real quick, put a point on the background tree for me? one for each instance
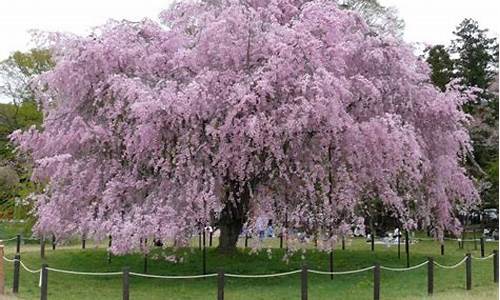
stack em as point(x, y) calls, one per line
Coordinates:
point(441, 65)
point(476, 65)
point(20, 112)
point(293, 110)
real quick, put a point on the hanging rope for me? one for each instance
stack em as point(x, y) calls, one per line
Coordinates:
point(84, 273)
point(483, 258)
point(451, 267)
point(263, 275)
point(341, 272)
point(173, 277)
point(404, 269)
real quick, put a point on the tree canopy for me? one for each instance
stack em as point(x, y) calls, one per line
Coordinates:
point(231, 110)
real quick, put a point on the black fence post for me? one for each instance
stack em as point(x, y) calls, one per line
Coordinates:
point(210, 235)
point(495, 265)
point(109, 249)
point(126, 283)
point(399, 245)
point(281, 240)
point(53, 242)
point(220, 285)
point(246, 240)
point(145, 262)
point(468, 272)
point(199, 240)
point(376, 282)
point(331, 264)
point(18, 244)
point(44, 283)
point(430, 275)
point(15, 284)
point(407, 249)
point(475, 240)
point(83, 242)
point(343, 242)
point(482, 246)
point(442, 248)
point(372, 241)
point(42, 247)
point(303, 280)
point(204, 253)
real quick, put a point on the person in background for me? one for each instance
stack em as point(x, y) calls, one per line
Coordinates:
point(261, 227)
point(270, 230)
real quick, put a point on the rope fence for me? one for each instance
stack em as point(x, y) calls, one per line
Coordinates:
point(304, 271)
point(43, 283)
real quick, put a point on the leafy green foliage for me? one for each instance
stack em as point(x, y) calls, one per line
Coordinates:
point(441, 64)
point(21, 112)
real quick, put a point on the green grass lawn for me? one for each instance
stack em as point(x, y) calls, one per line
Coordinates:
point(449, 284)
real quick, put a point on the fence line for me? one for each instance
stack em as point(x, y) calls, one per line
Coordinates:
point(244, 275)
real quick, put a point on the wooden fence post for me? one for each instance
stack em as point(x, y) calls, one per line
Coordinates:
point(42, 247)
point(210, 236)
point(343, 242)
point(430, 275)
point(126, 283)
point(376, 282)
point(2, 272)
point(281, 240)
point(482, 246)
point(246, 240)
point(220, 285)
point(303, 280)
point(468, 272)
point(83, 241)
point(495, 266)
point(442, 248)
point(15, 283)
point(18, 244)
point(44, 283)
point(331, 264)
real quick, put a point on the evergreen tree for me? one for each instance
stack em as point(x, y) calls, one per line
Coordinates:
point(441, 64)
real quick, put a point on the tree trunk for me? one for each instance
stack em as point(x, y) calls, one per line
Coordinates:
point(229, 233)
point(233, 216)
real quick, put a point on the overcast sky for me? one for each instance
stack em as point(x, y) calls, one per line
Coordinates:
point(426, 21)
